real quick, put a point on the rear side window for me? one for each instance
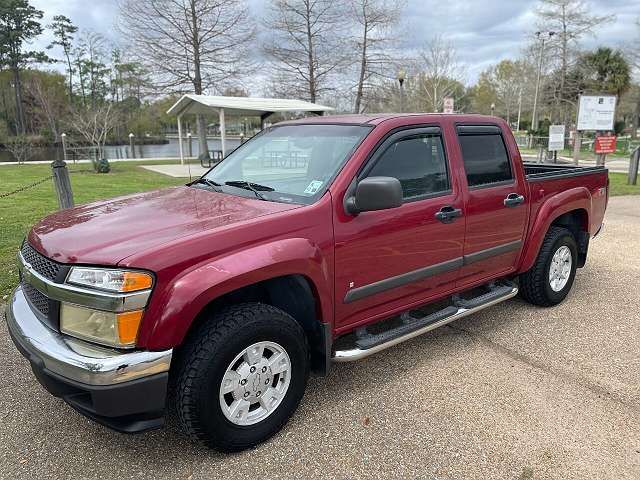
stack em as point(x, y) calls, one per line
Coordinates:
point(418, 162)
point(485, 159)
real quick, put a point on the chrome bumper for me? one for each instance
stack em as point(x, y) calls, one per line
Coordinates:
point(75, 359)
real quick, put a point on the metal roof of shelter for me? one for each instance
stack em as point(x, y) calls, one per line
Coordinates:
point(241, 106)
point(237, 107)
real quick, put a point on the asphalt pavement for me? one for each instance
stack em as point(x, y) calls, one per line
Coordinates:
point(513, 392)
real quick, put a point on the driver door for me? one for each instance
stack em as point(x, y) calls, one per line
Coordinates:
point(390, 259)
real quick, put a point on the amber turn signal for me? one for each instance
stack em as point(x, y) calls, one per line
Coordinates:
point(128, 325)
point(134, 281)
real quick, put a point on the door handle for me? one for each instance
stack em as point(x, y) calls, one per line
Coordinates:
point(448, 214)
point(513, 200)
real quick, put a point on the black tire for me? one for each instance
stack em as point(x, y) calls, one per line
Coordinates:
point(208, 353)
point(535, 287)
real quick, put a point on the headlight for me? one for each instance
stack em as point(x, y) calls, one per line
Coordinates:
point(107, 328)
point(111, 280)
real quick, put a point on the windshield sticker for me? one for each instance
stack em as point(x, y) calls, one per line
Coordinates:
point(313, 187)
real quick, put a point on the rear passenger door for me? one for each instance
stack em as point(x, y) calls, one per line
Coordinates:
point(495, 207)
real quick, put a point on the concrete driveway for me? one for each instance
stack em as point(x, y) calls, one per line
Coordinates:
point(513, 392)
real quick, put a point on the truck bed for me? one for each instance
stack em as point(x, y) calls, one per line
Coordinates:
point(547, 171)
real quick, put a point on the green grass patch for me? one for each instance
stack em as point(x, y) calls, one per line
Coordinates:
point(20, 211)
point(618, 185)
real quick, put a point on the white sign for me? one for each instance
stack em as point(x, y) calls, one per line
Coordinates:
point(596, 112)
point(556, 138)
point(448, 105)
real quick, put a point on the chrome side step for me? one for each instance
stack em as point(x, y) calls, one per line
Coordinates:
point(367, 344)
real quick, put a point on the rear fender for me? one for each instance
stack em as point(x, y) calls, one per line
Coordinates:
point(189, 293)
point(552, 208)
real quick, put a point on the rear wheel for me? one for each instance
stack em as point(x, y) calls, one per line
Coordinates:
point(549, 281)
point(243, 375)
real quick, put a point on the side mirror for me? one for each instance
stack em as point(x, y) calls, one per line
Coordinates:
point(375, 193)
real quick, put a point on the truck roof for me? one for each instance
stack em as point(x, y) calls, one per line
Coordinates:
point(377, 118)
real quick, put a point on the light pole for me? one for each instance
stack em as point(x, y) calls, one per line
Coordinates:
point(542, 36)
point(190, 147)
point(133, 152)
point(63, 136)
point(401, 77)
point(519, 108)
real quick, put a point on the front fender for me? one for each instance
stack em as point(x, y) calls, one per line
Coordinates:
point(551, 208)
point(187, 294)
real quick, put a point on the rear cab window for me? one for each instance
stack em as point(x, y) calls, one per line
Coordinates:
point(485, 157)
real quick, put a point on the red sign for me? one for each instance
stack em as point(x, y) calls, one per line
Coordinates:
point(605, 144)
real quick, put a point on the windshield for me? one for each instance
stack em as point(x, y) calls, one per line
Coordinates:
point(291, 163)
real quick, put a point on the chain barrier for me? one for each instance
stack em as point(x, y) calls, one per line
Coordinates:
point(38, 182)
point(26, 187)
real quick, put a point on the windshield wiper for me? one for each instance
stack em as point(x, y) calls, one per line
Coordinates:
point(254, 187)
point(205, 181)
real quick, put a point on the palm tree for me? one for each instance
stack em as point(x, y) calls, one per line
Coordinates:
point(606, 71)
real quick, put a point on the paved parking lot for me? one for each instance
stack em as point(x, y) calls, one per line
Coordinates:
point(513, 392)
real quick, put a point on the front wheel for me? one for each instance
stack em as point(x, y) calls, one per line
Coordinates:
point(549, 281)
point(243, 375)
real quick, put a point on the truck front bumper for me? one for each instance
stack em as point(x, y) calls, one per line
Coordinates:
point(124, 390)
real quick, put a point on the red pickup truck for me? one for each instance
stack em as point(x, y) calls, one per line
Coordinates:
point(318, 241)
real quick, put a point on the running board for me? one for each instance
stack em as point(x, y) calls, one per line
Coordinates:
point(367, 344)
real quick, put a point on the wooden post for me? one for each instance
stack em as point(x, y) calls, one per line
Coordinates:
point(577, 143)
point(633, 167)
point(62, 184)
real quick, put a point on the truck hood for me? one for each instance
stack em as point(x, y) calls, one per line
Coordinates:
point(106, 232)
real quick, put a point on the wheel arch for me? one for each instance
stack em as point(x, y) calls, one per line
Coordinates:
point(577, 222)
point(569, 209)
point(296, 295)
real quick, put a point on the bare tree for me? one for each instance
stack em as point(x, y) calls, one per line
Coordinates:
point(305, 44)
point(375, 21)
point(94, 125)
point(190, 45)
point(570, 20)
point(49, 103)
point(511, 79)
point(440, 74)
point(20, 147)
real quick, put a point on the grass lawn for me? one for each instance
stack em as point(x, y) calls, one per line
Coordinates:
point(618, 182)
point(18, 212)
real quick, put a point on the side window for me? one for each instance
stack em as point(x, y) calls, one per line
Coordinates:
point(418, 162)
point(485, 159)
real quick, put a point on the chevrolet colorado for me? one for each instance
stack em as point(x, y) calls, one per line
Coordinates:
point(320, 240)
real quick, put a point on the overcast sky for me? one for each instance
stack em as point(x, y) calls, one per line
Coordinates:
point(483, 31)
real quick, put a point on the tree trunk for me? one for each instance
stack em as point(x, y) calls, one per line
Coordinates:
point(197, 83)
point(312, 73)
point(363, 69)
point(66, 52)
point(634, 120)
point(19, 110)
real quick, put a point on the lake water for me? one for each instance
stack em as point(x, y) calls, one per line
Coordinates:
point(114, 152)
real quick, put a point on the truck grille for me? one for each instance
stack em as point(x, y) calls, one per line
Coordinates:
point(37, 299)
point(48, 310)
point(41, 264)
